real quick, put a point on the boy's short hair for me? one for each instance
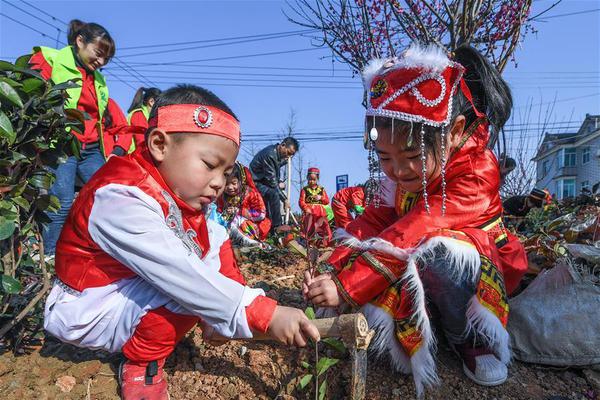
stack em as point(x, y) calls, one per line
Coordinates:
point(188, 94)
point(291, 142)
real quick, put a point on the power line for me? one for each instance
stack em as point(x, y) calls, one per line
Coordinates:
point(32, 15)
point(205, 46)
point(569, 14)
point(229, 57)
point(44, 12)
point(298, 32)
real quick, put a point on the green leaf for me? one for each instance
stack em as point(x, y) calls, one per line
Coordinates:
point(9, 94)
point(6, 66)
point(325, 363)
point(6, 128)
point(54, 204)
point(41, 180)
point(66, 85)
point(305, 365)
point(10, 285)
point(21, 202)
point(7, 227)
point(323, 389)
point(32, 84)
point(336, 344)
point(11, 82)
point(305, 380)
point(23, 61)
point(310, 313)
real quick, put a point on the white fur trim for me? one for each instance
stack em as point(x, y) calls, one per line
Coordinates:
point(384, 342)
point(482, 322)
point(375, 243)
point(372, 69)
point(429, 57)
point(462, 259)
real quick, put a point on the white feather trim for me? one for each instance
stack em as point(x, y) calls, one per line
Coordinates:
point(462, 259)
point(375, 243)
point(430, 58)
point(424, 370)
point(385, 343)
point(372, 70)
point(482, 322)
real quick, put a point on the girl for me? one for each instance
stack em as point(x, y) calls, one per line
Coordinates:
point(90, 48)
point(313, 200)
point(139, 110)
point(437, 233)
point(243, 209)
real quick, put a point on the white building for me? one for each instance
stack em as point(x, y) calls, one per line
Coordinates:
point(568, 163)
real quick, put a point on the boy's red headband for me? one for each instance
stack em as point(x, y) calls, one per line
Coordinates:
point(196, 118)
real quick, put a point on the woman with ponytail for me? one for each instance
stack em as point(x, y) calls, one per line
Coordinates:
point(432, 236)
point(90, 47)
point(139, 110)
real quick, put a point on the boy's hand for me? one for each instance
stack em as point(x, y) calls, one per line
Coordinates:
point(291, 326)
point(322, 291)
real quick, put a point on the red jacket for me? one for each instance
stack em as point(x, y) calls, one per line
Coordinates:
point(118, 133)
point(343, 201)
point(473, 200)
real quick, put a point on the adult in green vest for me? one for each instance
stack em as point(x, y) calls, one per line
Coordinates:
point(139, 110)
point(90, 48)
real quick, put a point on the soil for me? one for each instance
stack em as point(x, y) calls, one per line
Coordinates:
point(252, 370)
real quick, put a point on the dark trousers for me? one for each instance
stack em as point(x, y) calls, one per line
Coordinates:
point(272, 199)
point(449, 296)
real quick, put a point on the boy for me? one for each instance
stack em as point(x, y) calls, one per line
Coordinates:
point(137, 263)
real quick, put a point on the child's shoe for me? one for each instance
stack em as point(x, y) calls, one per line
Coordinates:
point(143, 381)
point(482, 366)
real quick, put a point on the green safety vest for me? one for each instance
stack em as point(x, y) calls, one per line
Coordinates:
point(146, 111)
point(65, 69)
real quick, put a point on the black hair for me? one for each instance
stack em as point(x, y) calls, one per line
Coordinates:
point(188, 94)
point(291, 142)
point(91, 32)
point(142, 96)
point(490, 93)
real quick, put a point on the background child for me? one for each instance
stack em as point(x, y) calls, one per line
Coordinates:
point(345, 201)
point(312, 202)
point(90, 48)
point(139, 111)
point(437, 233)
point(242, 206)
point(138, 265)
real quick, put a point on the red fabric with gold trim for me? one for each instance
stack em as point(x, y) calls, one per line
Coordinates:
point(196, 118)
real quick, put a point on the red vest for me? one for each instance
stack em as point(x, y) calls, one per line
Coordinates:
point(81, 263)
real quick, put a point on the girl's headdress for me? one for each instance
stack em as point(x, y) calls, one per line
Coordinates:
point(314, 170)
point(417, 88)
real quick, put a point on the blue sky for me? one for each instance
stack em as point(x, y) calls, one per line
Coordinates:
point(561, 61)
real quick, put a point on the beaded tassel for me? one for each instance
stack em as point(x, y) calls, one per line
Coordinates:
point(374, 189)
point(393, 134)
point(409, 141)
point(443, 148)
point(424, 168)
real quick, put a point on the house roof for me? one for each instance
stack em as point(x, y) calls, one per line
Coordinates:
point(555, 141)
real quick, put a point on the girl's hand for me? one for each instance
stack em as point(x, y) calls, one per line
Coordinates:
point(318, 197)
point(292, 327)
point(322, 291)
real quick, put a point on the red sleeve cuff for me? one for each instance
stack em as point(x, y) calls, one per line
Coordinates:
point(259, 313)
